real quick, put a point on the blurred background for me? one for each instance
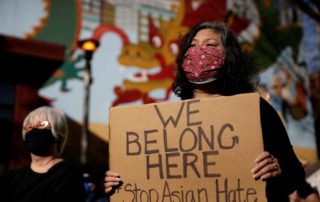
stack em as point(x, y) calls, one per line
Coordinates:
point(85, 56)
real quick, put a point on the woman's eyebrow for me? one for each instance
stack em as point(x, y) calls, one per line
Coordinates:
point(206, 40)
point(210, 39)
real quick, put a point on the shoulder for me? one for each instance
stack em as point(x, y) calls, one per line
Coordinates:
point(266, 106)
point(15, 173)
point(12, 178)
point(268, 112)
point(65, 169)
point(64, 166)
point(273, 129)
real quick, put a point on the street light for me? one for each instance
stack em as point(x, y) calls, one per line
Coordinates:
point(89, 46)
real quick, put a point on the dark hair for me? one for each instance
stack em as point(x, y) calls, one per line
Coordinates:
point(238, 73)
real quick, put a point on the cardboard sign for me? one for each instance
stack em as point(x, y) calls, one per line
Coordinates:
point(193, 150)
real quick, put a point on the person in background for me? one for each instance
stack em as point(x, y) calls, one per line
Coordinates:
point(210, 64)
point(48, 178)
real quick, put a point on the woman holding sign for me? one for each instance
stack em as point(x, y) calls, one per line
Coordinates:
point(227, 71)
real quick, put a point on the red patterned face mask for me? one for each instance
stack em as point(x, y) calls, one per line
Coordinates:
point(201, 64)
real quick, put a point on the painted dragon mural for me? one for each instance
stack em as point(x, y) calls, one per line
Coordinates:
point(264, 28)
point(154, 59)
point(259, 23)
point(49, 29)
point(259, 34)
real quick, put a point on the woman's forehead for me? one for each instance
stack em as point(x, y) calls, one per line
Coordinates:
point(38, 117)
point(207, 33)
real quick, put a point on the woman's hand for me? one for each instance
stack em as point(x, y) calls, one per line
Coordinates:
point(266, 166)
point(111, 180)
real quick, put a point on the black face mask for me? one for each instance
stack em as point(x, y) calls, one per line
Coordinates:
point(38, 141)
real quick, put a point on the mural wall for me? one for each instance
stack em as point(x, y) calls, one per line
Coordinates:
point(134, 63)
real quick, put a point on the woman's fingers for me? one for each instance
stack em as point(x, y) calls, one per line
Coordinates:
point(270, 170)
point(109, 186)
point(274, 170)
point(111, 180)
point(266, 166)
point(107, 190)
point(261, 161)
point(111, 173)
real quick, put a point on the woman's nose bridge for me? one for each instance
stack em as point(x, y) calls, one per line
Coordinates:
point(201, 43)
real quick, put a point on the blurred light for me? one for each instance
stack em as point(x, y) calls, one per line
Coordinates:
point(88, 44)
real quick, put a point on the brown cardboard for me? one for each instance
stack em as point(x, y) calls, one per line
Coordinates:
point(161, 160)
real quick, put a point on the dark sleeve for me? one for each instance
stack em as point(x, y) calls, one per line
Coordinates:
point(276, 141)
point(7, 180)
point(3, 187)
point(305, 189)
point(68, 185)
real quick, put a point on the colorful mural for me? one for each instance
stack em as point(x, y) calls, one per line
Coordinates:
point(288, 87)
point(134, 63)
